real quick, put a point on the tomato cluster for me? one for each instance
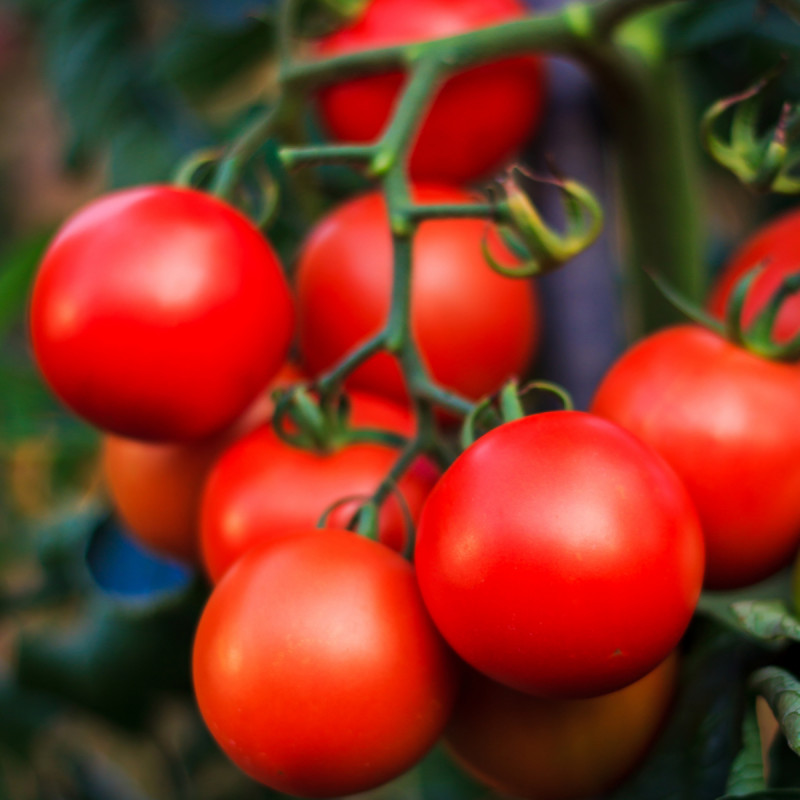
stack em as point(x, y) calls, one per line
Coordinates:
point(558, 559)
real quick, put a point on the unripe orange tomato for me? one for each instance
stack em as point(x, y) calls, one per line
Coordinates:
point(557, 749)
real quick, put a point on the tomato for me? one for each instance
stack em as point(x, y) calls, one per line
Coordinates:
point(726, 421)
point(777, 247)
point(561, 556)
point(455, 144)
point(557, 749)
point(159, 313)
point(316, 666)
point(262, 486)
point(156, 488)
point(474, 327)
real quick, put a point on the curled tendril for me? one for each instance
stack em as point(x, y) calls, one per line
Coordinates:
point(765, 162)
point(506, 406)
point(196, 170)
point(543, 247)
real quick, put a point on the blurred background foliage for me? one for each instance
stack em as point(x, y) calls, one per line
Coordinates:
point(95, 633)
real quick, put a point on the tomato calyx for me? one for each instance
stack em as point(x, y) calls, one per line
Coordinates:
point(764, 162)
point(302, 419)
point(506, 406)
point(542, 247)
point(758, 336)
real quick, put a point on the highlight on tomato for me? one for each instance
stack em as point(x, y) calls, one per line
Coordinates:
point(262, 486)
point(455, 144)
point(776, 249)
point(156, 487)
point(561, 556)
point(475, 328)
point(160, 313)
point(725, 420)
point(317, 668)
point(547, 749)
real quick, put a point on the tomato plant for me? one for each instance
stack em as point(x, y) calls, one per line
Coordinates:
point(341, 685)
point(156, 487)
point(776, 247)
point(560, 556)
point(160, 313)
point(262, 486)
point(527, 746)
point(454, 144)
point(723, 418)
point(344, 279)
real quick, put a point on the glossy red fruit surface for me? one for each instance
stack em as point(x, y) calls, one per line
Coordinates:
point(159, 313)
point(475, 328)
point(316, 666)
point(560, 555)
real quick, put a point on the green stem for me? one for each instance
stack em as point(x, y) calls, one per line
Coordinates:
point(661, 201)
point(324, 154)
point(331, 381)
point(394, 148)
point(423, 211)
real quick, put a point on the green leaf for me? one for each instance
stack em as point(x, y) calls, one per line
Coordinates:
point(781, 690)
point(784, 766)
point(768, 794)
point(747, 772)
point(24, 715)
point(694, 755)
point(17, 269)
point(201, 60)
point(769, 620)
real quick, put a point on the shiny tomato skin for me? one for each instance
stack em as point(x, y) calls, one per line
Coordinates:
point(475, 328)
point(316, 666)
point(561, 556)
point(156, 487)
point(261, 486)
point(527, 746)
point(455, 144)
point(726, 421)
point(159, 313)
point(777, 247)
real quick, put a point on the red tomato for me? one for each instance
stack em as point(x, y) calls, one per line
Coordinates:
point(726, 420)
point(316, 667)
point(262, 487)
point(475, 328)
point(159, 313)
point(777, 246)
point(479, 119)
point(557, 749)
point(156, 488)
point(560, 556)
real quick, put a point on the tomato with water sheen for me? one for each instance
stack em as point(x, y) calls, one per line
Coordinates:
point(479, 119)
point(475, 328)
point(777, 247)
point(726, 420)
point(560, 555)
point(528, 746)
point(262, 487)
point(160, 313)
point(156, 488)
point(317, 668)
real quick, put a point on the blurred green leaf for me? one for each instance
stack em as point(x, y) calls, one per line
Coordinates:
point(747, 772)
point(200, 60)
point(24, 716)
point(17, 269)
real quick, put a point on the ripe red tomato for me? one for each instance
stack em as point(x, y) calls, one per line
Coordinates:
point(156, 488)
point(560, 556)
point(726, 420)
point(262, 487)
point(527, 746)
point(455, 144)
point(316, 666)
point(777, 246)
point(475, 328)
point(159, 313)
